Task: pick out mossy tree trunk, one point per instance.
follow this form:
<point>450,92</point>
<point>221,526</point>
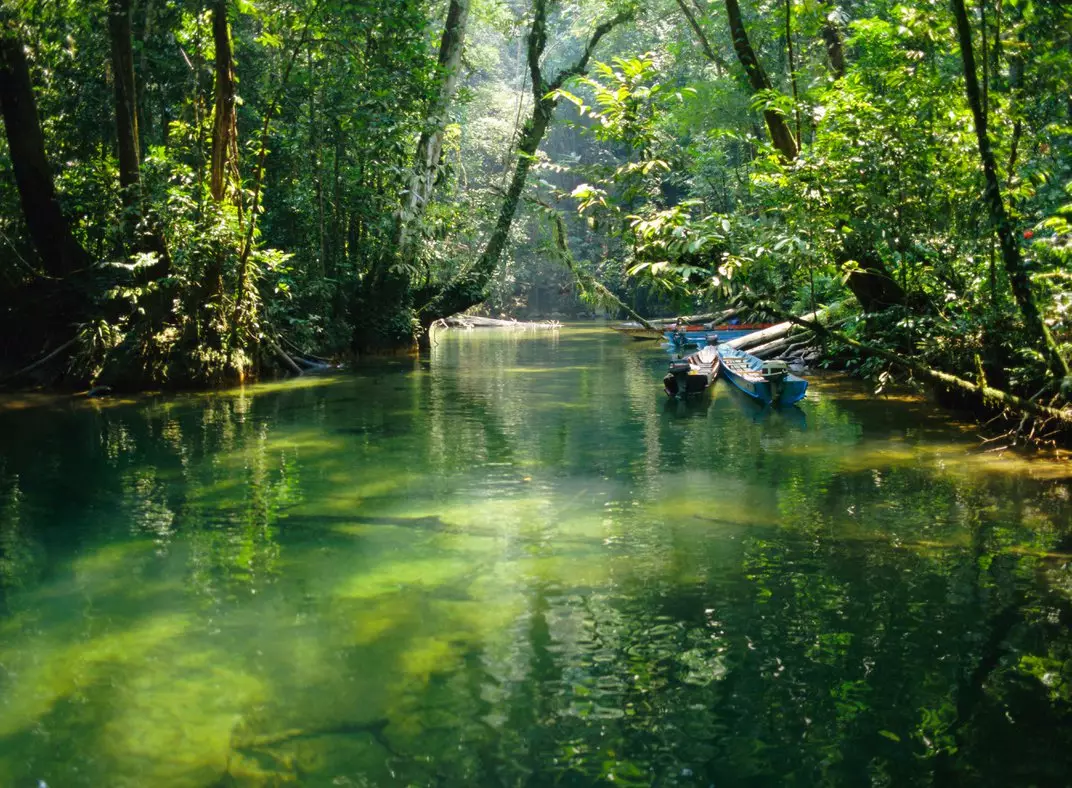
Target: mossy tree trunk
<point>780,133</point>
<point>224,125</point>
<point>126,111</point>
<point>385,305</point>
<point>1011,257</point>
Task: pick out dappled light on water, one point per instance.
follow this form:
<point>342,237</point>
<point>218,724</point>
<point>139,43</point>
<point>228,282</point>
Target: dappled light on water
<point>514,562</point>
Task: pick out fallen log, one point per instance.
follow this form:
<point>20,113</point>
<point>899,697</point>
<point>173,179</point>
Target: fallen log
<point>984,393</point>
<point>777,346</point>
<point>712,317</point>
<point>282,354</point>
<point>478,321</point>
<point>40,362</point>
<point>779,331</point>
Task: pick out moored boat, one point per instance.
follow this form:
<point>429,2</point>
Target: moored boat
<point>637,331</point>
<point>684,335</point>
<point>769,382</point>
<point>693,374</point>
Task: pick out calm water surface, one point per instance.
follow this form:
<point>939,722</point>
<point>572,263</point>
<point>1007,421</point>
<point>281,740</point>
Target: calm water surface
<point>512,563</point>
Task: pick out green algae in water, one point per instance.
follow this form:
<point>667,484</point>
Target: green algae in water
<point>514,563</point>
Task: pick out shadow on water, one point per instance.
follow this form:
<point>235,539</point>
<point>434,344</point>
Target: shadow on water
<point>508,562</point>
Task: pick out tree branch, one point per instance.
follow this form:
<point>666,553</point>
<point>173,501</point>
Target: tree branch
<point>581,65</point>
<point>705,42</point>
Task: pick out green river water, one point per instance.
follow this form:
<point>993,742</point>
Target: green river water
<point>511,562</point>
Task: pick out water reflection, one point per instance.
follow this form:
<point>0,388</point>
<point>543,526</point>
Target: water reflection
<point>512,562</point>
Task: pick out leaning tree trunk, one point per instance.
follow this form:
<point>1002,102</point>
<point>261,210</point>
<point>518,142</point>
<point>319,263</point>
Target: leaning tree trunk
<point>60,252</point>
<point>469,288</point>
<point>781,134</point>
<point>1010,249</point>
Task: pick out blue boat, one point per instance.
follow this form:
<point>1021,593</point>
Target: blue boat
<point>768,381</point>
<point>682,336</point>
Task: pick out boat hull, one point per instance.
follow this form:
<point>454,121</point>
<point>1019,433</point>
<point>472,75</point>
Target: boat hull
<point>734,362</point>
<point>697,335</point>
<point>693,375</point>
<point>639,332</point>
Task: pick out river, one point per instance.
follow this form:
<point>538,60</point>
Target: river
<point>511,562</point>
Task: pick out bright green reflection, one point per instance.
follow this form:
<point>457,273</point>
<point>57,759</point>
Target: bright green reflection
<point>513,563</point>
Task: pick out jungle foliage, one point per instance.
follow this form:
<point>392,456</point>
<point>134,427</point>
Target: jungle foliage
<point>195,191</point>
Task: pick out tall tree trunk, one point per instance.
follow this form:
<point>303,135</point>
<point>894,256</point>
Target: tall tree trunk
<point>335,235</point>
<point>1010,249</point>
<point>780,133</point>
<point>126,111</point>
<point>60,252</point>
<point>430,146</point>
<point>385,302</point>
<point>469,288</point>
<point>151,238</point>
<point>792,64</point>
<point>142,101</point>
<point>835,46</point>
<point>317,163</point>
<point>224,129</point>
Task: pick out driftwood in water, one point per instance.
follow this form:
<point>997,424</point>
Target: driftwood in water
<point>476,321</point>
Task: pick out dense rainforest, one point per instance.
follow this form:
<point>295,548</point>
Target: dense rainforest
<point>197,192</point>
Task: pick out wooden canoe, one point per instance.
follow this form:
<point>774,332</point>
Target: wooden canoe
<point>693,374</point>
<point>681,336</point>
<point>767,381</point>
<point>637,331</point>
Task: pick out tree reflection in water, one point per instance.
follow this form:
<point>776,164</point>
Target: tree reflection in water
<point>510,564</point>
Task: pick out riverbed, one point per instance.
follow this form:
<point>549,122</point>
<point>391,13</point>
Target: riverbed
<point>512,562</point>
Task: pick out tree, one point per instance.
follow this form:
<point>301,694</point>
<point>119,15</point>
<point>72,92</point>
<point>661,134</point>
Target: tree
<point>224,122</point>
<point>780,133</point>
<point>60,251</point>
<point>126,111</point>
<point>391,279</point>
<point>1019,280</point>
<point>468,288</point>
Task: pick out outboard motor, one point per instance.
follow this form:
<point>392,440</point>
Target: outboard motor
<point>711,339</point>
<point>676,381</point>
<point>775,372</point>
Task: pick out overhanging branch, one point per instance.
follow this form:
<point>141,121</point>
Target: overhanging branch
<point>578,68</point>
